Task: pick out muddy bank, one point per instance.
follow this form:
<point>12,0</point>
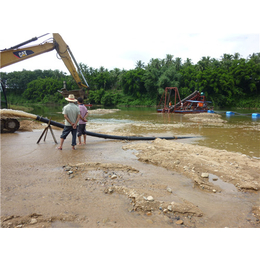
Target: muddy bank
<point>200,163</point>
<point>101,111</point>
<point>206,119</point>
<point>29,126</point>
<point>106,183</point>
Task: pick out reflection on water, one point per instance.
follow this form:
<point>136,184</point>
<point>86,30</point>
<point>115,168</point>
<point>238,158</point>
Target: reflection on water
<point>227,187</point>
<point>50,111</point>
<point>241,133</point>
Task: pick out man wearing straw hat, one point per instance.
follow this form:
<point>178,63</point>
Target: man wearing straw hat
<point>71,114</point>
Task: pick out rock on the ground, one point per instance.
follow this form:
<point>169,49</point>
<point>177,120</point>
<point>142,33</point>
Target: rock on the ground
<point>33,221</point>
<point>204,175</point>
<point>150,198</point>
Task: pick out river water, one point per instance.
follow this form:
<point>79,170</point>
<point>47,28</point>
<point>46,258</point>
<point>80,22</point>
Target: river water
<point>240,133</point>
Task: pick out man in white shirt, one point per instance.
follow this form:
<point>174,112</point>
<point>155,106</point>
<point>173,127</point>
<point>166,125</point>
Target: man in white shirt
<point>71,114</point>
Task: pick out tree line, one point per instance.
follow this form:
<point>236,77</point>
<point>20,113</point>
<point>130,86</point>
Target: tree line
<point>228,81</point>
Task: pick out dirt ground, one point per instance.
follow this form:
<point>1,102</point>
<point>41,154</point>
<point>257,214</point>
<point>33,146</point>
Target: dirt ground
<point>120,184</point>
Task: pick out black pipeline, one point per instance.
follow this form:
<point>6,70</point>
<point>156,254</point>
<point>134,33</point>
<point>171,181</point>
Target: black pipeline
<point>129,138</point>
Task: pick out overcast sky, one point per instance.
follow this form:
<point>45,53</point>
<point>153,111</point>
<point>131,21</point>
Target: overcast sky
<point>116,34</point>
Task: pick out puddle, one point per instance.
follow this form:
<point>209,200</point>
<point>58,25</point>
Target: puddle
<point>227,187</point>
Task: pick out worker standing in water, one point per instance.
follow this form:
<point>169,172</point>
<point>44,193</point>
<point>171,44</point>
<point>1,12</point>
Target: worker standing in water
<point>72,115</point>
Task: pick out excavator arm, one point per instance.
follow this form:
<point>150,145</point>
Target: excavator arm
<point>16,54</point>
<point>66,55</point>
<point>19,53</point>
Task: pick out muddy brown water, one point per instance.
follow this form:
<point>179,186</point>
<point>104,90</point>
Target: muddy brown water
<point>240,133</point>
<point>33,180</point>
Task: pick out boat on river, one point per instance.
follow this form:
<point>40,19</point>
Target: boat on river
<point>194,103</point>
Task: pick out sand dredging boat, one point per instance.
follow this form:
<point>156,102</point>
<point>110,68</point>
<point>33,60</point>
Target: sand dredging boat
<point>9,114</point>
<point>172,103</point>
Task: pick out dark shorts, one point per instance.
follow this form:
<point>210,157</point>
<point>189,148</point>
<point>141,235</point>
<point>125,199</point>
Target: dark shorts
<point>66,131</point>
<point>82,129</point>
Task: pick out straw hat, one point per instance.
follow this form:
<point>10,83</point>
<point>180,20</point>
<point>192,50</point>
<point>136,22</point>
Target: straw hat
<point>71,98</point>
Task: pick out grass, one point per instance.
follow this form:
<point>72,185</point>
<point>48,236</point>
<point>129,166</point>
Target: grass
<point>23,108</point>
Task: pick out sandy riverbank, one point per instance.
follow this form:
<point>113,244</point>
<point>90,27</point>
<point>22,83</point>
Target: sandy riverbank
<point>109,183</point>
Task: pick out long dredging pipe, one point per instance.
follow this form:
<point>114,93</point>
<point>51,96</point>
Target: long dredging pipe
<point>129,138</point>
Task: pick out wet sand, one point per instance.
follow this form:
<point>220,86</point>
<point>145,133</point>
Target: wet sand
<point>107,183</point>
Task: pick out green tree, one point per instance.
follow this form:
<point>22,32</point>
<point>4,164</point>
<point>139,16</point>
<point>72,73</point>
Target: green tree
<point>139,65</point>
<point>43,90</point>
<point>102,79</point>
<point>115,77</point>
<point>160,74</point>
<point>132,82</point>
<point>96,96</point>
<point>178,64</point>
<point>151,77</point>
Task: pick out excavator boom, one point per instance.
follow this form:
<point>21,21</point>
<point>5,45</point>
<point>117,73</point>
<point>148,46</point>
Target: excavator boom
<point>11,56</point>
<point>16,54</point>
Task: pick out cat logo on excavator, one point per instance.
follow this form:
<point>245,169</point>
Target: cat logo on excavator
<point>21,54</point>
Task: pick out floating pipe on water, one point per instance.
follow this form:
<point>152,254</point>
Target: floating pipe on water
<point>129,138</point>
<point>16,113</point>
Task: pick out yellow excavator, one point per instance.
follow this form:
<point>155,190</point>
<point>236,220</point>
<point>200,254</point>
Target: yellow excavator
<point>16,54</point>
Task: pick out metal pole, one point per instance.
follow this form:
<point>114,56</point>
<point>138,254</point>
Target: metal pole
<point>71,54</point>
<point>26,42</point>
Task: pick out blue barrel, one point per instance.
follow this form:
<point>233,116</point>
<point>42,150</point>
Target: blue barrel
<point>255,115</point>
<point>229,113</point>
<point>211,111</point>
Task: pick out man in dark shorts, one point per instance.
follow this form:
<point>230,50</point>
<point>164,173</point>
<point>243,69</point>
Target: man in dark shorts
<point>71,114</point>
<point>82,121</point>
